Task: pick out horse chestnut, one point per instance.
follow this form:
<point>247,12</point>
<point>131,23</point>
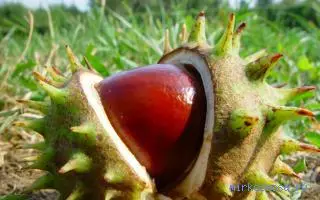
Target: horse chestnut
<point>159,113</point>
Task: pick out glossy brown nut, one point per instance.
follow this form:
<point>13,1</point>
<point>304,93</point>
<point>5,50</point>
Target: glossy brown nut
<point>159,112</point>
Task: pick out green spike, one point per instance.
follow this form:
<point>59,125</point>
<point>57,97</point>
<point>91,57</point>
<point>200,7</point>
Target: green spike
<point>262,196</point>
<point>224,45</point>
<point>222,185</point>
<point>242,122</point>
<point>114,176</point>
<point>184,34</point>
<point>38,146</point>
<point>258,177</point>
<point>236,42</point>
<point>58,95</point>
<point>77,193</point>
<point>36,124</point>
<point>112,194</point>
<point>288,94</point>
<point>44,159</point>
<point>74,63</point>
<point>88,131</point>
<point>280,167</point>
<point>167,46</point>
<point>55,74</point>
<point>256,56</point>
<point>84,128</point>
<point>44,182</point>
<point>39,77</point>
<point>37,105</point>
<point>260,68</point>
<point>78,162</point>
<point>278,115</point>
<point>198,31</point>
<point>292,146</point>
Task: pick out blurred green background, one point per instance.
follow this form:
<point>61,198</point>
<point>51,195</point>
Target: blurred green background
<point>119,35</point>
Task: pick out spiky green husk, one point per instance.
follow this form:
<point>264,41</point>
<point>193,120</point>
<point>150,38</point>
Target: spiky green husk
<point>84,161</point>
<point>248,115</point>
<point>80,157</point>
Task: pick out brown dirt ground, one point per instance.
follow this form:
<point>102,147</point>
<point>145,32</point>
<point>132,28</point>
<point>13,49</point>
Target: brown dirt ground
<point>14,177</point>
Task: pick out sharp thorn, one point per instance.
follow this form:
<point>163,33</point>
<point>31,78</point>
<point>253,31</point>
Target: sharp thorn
<point>37,105</point>
<point>276,57</point>
<point>259,69</point>
<point>255,56</point>
<point>78,162</point>
<point>236,42</point>
<point>305,89</point>
<point>198,31</point>
<point>308,148</point>
<point>241,27</point>
<point>279,114</point>
<point>223,185</point>
<point>224,46</point>
<point>58,95</point>
<point>167,46</point>
<point>259,178</point>
<point>87,131</point>
<point>288,94</point>
<point>292,146</point>
<point>74,63</point>
<point>280,167</point>
<point>37,125</point>
<point>84,128</point>
<point>39,77</point>
<point>184,34</point>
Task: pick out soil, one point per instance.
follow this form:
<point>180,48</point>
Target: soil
<point>14,160</point>
<point>312,193</point>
